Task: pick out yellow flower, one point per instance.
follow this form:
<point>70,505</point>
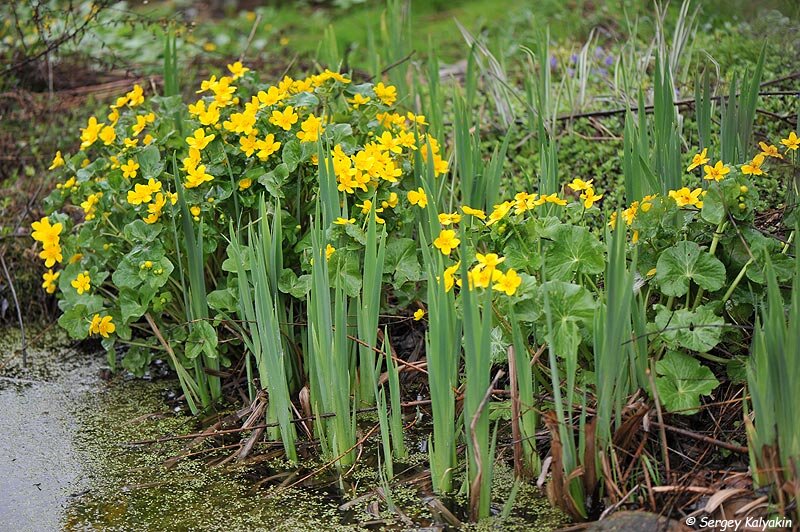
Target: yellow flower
<point>102,326</point>
<point>45,233</point>
<point>82,283</point>
<point>90,132</point>
<point>449,276</point>
<point>754,166</point>
<point>199,139</point>
<point>247,144</point>
<point>391,202</point>
<point>129,169</point>
<point>51,255</point>
<point>446,241</point>
<point>480,277</point>
<point>58,160</point>
<point>651,272</point>
<point>108,135</point>
<point>490,260</point>
<point>192,160</point>
<point>49,283</point>
<point>508,282</point>
<point>419,314</point>
<point>197,176</point>
<point>419,119</point>
<point>195,210</point>
<point>589,198</point>
<point>344,221</point>
<point>238,69</point>
<point>311,129</point>
<point>89,205</point>
<point>473,212</point>
<point>499,212</point>
<point>358,100</point>
<point>579,184</point>
<point>698,159</point>
<point>792,142</point>
<point>389,143</point>
<point>447,219</point>
<point>387,94</point>
<point>140,194</point>
<point>272,96</point>
<point>135,96</point>
<point>245,183</point>
<point>284,119</point>
<point>716,172</point>
<point>684,197</point>
<point>130,143</point>
<point>209,47</point>
<point>267,147</point>
<point>553,198</point>
<point>418,197</point>
<point>241,122</point>
<point>209,116</point>
<point>138,127</point>
<point>769,150</point>
<point>283,41</point>
<point>365,207</point>
<point>154,209</point>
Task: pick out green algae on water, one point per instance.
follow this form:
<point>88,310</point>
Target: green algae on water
<point>130,489</point>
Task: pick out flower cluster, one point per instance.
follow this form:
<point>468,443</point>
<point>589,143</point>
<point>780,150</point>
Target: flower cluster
<point>237,140</point>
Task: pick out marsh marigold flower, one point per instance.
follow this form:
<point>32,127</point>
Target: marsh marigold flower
<point>49,277</point>
<point>387,94</point>
<point>684,197</point>
<point>754,166</point>
<point>590,198</point>
<point>508,282</point>
<point>473,212</point>
<point>698,159</point>
<point>199,140</point>
<point>446,241</point>
<point>579,185</point>
<point>58,160</point>
<point>81,283</point>
<point>358,100</point>
<point>310,129</point>
<point>284,119</point>
<point>418,198</point>
<point>90,132</point>
<point>792,142</point>
<point>769,150</point>
<point>419,314</point>
<point>238,69</point>
<point>129,169</point>
<point>103,326</point>
<point>716,172</point>
<point>46,233</point>
<point>51,255</point>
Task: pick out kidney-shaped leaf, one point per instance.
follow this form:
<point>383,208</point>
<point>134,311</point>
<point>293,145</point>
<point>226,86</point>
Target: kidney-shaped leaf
<point>681,382</point>
<point>685,262</point>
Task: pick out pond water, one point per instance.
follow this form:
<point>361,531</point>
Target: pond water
<point>67,462</point>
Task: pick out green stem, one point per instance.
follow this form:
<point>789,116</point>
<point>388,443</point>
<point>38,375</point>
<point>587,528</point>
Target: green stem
<point>736,281</point>
<point>711,250</point>
<point>788,243</point>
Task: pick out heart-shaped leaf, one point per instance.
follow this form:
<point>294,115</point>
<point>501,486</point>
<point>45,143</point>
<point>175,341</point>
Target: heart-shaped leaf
<point>681,382</point>
<point>685,262</point>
